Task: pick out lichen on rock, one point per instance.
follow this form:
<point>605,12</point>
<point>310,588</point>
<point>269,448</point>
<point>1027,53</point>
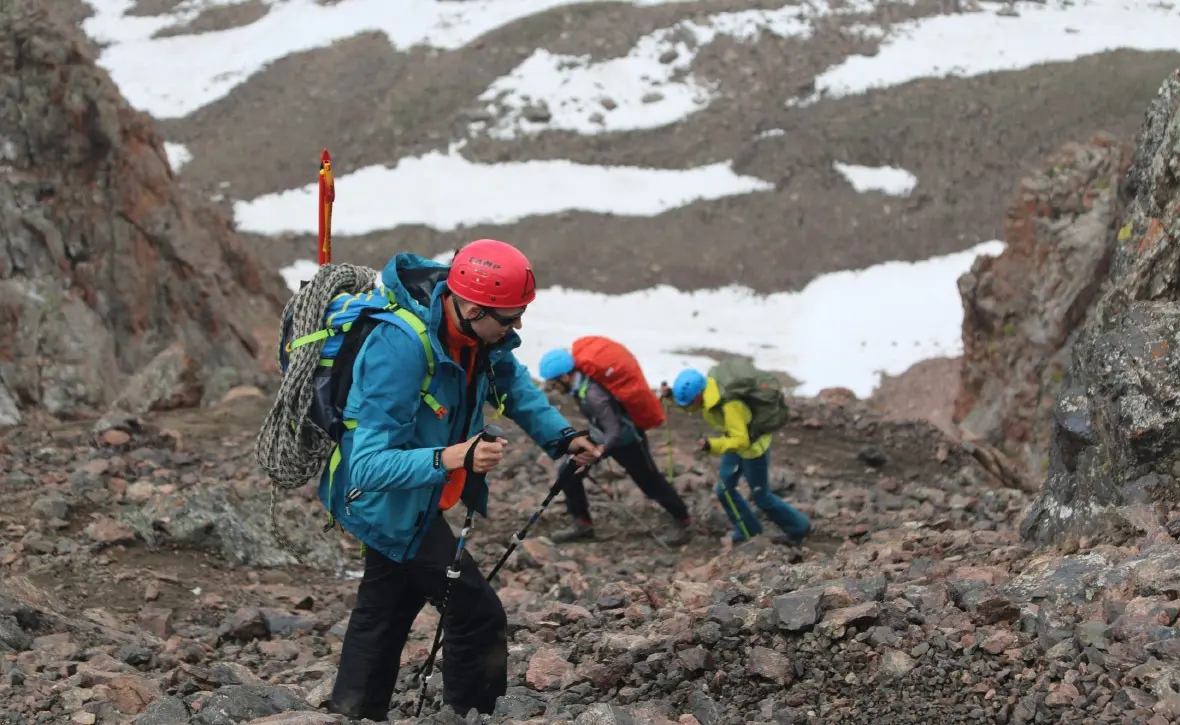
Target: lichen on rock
<point>1115,439</point>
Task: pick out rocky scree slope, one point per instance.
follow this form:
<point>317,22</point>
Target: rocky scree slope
<point>104,264</point>
<point>916,600</point>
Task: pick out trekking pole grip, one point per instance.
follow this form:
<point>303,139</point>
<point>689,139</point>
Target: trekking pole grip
<point>489,434</point>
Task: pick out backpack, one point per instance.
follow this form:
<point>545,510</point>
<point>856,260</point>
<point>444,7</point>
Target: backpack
<point>762,392</point>
<point>324,325</point>
<point>612,366</point>
<point>348,321</point>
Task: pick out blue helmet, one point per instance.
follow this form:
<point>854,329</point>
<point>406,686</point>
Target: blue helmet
<point>687,386</point>
<point>556,363</point>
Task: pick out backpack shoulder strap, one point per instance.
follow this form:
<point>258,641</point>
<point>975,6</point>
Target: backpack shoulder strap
<point>409,319</point>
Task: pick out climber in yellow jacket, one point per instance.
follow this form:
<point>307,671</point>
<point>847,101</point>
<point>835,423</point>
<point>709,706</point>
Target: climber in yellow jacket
<point>740,457</point>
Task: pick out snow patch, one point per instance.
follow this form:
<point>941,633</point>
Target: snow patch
<point>446,191</point>
<point>885,179</point>
<point>173,76</point>
<point>973,43</point>
<point>650,87</point>
<point>842,329</point>
<point>178,155</point>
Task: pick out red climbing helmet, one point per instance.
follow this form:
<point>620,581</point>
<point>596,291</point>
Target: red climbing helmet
<point>492,274</point>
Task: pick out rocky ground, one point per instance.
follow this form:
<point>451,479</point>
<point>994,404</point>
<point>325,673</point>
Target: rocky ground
<point>141,585</point>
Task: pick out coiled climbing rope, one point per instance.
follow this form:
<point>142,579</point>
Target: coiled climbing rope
<point>290,448</point>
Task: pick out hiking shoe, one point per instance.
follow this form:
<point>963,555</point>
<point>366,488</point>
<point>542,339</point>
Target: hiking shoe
<point>737,537</point>
<point>792,540</point>
<point>580,531</point>
<point>678,533</point>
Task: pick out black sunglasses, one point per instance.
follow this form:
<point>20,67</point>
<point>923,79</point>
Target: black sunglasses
<point>501,319</point>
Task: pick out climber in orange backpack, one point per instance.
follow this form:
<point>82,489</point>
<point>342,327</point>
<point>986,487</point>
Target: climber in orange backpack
<point>621,406</point>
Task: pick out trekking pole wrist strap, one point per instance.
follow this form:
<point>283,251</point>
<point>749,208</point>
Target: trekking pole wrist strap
<point>469,459</point>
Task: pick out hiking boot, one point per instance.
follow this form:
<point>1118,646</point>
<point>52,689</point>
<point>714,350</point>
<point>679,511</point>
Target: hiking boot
<point>580,531</point>
<point>791,540</point>
<point>678,533</point>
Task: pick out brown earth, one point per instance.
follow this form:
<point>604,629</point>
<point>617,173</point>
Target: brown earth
<point>965,139</point>
<point>926,391</point>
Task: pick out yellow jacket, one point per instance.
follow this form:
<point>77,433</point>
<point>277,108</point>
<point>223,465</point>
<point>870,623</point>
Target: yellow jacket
<point>732,419</point>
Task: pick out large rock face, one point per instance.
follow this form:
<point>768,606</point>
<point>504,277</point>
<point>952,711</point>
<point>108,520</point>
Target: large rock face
<point>104,264</point>
<point>1115,441</point>
<point>1022,308</point>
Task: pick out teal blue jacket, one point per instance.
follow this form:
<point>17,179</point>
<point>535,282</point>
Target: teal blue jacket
<point>386,487</point>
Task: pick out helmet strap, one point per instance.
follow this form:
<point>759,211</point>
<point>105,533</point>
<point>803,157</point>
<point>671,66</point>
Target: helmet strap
<point>464,323</point>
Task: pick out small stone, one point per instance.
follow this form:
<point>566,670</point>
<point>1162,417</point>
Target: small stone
<point>771,665</point>
<point>158,621</point>
<point>799,609</point>
<point>1061,695</point>
<point>106,530</point>
<point>895,663</point>
<point>548,670</point>
<point>115,437</point>
<point>246,624</point>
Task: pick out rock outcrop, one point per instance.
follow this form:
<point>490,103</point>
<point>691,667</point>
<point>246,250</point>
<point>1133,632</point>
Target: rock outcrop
<point>104,263</point>
<point>1115,439</point>
<point>1022,308</point>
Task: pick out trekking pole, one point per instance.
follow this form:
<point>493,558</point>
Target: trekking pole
<point>668,430</point>
<point>563,474</point>
<point>629,512</point>
<point>567,470</point>
<point>490,433</point>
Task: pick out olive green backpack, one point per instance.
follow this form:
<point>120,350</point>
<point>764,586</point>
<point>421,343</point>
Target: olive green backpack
<point>762,392</point>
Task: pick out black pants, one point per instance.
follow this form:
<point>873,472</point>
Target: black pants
<point>636,460</point>
<point>475,650</point>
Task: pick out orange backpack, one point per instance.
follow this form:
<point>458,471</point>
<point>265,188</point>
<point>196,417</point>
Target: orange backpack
<point>613,366</point>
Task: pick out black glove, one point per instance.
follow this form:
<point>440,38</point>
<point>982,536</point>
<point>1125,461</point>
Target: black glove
<point>568,435</point>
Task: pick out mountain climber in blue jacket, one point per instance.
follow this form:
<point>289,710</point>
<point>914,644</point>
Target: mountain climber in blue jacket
<point>405,460</point>
<point>622,440</point>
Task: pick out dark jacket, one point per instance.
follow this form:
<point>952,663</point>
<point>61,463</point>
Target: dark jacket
<point>605,413</point>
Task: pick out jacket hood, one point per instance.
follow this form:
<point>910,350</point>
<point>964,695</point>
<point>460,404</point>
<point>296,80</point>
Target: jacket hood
<point>417,284</point>
<point>712,394</point>
<point>414,282</point>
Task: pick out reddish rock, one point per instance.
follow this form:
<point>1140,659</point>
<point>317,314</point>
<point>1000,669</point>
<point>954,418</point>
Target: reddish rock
<point>1021,308</point>
<point>105,263</point>
<point>548,670</point>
